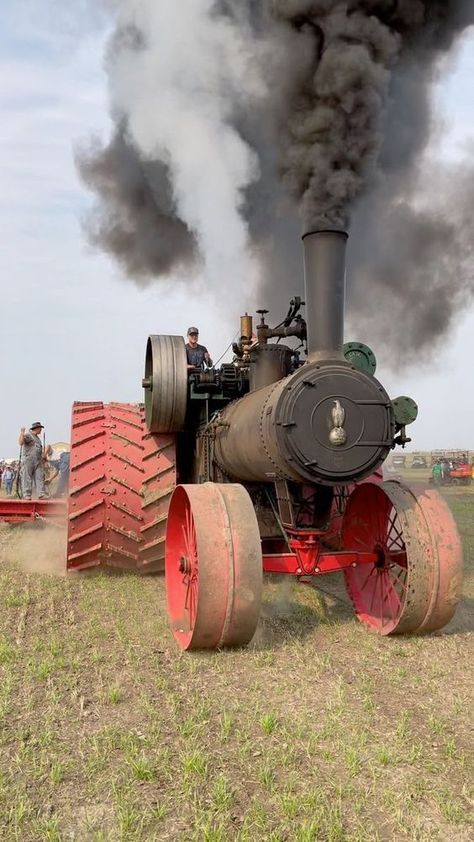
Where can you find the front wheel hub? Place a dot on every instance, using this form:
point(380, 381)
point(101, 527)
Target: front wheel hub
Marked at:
point(184, 565)
point(381, 556)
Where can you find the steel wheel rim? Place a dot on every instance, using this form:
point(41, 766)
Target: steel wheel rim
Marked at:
point(182, 574)
point(189, 569)
point(447, 575)
point(213, 566)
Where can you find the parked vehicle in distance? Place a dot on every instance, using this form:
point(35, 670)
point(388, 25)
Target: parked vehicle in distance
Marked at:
point(419, 461)
point(399, 460)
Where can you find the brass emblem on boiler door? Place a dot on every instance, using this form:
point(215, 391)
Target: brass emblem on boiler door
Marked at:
point(338, 435)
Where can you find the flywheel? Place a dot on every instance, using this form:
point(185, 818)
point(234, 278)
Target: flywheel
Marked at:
point(165, 384)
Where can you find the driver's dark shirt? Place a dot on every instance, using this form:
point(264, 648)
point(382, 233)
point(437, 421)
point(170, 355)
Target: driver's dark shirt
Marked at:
point(196, 355)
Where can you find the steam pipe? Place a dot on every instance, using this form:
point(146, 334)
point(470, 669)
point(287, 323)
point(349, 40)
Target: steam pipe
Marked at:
point(325, 286)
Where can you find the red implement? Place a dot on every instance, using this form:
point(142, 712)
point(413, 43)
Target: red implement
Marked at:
point(13, 510)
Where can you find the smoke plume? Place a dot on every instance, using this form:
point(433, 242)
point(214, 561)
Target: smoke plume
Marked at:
point(138, 222)
point(350, 60)
point(412, 262)
point(236, 124)
point(176, 165)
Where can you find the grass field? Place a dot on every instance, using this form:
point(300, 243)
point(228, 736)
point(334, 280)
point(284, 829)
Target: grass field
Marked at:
point(319, 731)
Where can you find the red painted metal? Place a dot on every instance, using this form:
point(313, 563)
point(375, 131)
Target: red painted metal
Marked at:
point(213, 566)
point(332, 537)
point(414, 585)
point(311, 555)
point(371, 523)
point(115, 509)
point(307, 548)
point(14, 511)
point(158, 484)
point(461, 470)
point(446, 560)
point(289, 563)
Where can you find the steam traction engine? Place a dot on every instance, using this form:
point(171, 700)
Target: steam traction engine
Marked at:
point(269, 464)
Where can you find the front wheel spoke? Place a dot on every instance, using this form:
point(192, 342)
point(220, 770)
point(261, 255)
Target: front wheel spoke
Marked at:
point(392, 599)
point(389, 526)
point(394, 533)
point(190, 598)
point(395, 540)
point(395, 544)
point(400, 580)
point(370, 573)
point(187, 547)
point(392, 594)
point(374, 593)
point(187, 584)
point(188, 542)
point(381, 612)
point(190, 537)
point(383, 517)
point(398, 558)
point(192, 601)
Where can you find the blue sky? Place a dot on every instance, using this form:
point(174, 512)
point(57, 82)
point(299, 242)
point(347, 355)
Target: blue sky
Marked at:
point(71, 326)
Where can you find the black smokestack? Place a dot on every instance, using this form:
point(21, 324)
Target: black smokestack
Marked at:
point(325, 282)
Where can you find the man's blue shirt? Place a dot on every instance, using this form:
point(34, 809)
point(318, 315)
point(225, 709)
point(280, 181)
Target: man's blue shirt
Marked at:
point(196, 355)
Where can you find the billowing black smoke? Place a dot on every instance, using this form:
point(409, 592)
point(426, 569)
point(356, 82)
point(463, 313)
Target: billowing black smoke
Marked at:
point(412, 263)
point(355, 72)
point(137, 222)
point(355, 118)
point(339, 132)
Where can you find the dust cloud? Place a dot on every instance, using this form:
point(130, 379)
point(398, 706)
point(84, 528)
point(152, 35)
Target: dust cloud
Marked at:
point(35, 549)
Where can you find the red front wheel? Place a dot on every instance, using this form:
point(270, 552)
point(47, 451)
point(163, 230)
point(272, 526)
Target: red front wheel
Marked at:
point(213, 566)
point(415, 584)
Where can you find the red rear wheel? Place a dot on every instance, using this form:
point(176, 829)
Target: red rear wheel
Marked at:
point(213, 566)
point(415, 584)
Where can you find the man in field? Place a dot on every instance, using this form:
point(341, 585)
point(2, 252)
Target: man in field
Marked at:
point(7, 478)
point(197, 355)
point(32, 471)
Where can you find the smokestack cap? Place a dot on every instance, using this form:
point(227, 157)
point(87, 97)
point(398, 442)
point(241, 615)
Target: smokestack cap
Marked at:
point(339, 231)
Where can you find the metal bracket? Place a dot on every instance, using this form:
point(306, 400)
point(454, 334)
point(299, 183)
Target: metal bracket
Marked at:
point(285, 505)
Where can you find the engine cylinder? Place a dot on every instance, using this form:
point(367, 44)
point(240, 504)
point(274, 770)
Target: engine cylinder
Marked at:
point(328, 423)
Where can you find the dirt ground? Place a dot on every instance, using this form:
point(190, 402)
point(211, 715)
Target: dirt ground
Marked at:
point(319, 731)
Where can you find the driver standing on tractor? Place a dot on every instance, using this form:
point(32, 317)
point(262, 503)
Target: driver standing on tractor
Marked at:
point(32, 470)
point(196, 354)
